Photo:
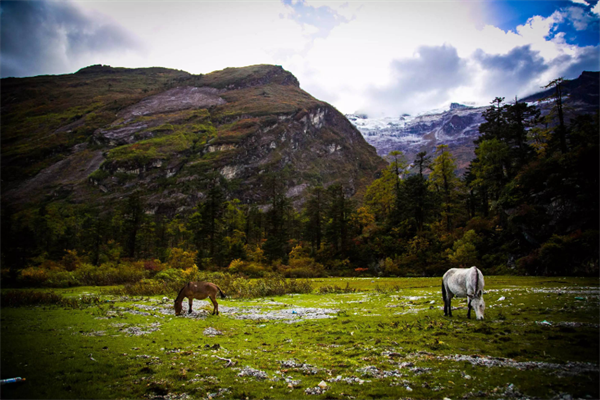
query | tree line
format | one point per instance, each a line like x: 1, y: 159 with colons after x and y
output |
x: 527, y: 204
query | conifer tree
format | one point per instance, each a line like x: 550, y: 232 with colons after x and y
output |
x: 443, y: 178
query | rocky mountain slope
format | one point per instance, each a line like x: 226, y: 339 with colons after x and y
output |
x: 102, y: 133
x: 459, y: 125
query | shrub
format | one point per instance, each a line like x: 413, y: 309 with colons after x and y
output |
x: 148, y: 287
x: 71, y: 261
x: 170, y: 275
x: 336, y: 289
x: 61, y: 279
x: 235, y: 266
x: 154, y: 266
x: 178, y: 258
x: 251, y: 269
x: 464, y: 252
x: 21, y: 298
x: 232, y: 285
x: 33, y: 276
x: 300, y: 265
x: 110, y: 274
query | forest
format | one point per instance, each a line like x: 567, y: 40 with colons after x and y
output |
x: 528, y: 205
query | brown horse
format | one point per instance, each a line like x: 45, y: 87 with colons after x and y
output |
x: 200, y: 291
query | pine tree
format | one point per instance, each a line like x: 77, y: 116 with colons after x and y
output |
x: 314, y: 211
x: 443, y: 178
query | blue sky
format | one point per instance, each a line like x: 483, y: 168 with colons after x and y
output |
x: 379, y: 57
x: 507, y: 15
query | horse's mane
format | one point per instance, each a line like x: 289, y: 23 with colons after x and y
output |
x: 179, y: 294
x: 476, y: 281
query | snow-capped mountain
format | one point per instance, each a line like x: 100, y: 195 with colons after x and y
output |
x: 457, y: 127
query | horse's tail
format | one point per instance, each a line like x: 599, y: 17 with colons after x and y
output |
x: 221, y: 292
x: 444, y: 297
x: 477, y: 271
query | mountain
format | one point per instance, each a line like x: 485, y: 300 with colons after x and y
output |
x: 459, y: 125
x: 103, y: 133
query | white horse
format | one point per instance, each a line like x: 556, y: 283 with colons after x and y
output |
x: 464, y: 282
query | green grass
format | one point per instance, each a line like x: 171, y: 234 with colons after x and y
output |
x: 387, y: 324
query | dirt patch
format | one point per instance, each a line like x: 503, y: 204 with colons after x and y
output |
x: 180, y: 98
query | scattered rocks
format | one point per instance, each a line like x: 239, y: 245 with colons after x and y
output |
x: 211, y: 332
x: 289, y: 315
x: 379, y: 374
x: 569, y: 368
x: 350, y: 380
x: 315, y: 390
x: 170, y: 396
x: 219, y: 393
x: 306, y: 369
x: 139, y: 331
x: 254, y: 373
x: 93, y: 333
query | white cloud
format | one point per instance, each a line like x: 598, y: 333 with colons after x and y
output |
x: 580, y: 18
x: 353, y: 55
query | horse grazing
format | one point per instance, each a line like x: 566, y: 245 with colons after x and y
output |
x: 464, y: 282
x: 200, y: 291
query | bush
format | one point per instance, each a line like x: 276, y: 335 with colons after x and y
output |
x: 21, y: 298
x: 232, y: 285
x: 148, y: 287
x: 110, y: 274
x: 71, y: 261
x: 170, y: 275
x: 178, y: 258
x: 336, y: 289
x: 300, y: 265
x: 251, y: 269
x: 33, y: 276
x: 464, y: 252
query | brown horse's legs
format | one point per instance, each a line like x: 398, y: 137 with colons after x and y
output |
x: 215, y: 304
x: 191, y: 301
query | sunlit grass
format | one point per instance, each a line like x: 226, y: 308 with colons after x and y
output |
x: 390, y: 334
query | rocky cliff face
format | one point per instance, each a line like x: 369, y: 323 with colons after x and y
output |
x: 458, y: 126
x: 167, y: 133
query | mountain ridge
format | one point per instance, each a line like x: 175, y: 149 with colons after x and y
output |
x: 102, y: 133
x: 459, y: 125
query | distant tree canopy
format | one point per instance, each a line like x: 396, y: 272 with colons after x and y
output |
x: 528, y: 204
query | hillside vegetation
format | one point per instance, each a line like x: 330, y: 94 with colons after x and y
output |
x: 240, y: 171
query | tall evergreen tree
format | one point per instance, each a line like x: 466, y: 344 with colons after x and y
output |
x: 314, y: 211
x: 277, y: 222
x: 134, y: 218
x: 444, y: 179
x: 338, y: 217
x: 418, y: 200
x: 561, y: 129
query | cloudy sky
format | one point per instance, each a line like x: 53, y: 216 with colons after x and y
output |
x: 378, y: 57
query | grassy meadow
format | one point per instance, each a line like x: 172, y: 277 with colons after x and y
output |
x: 350, y: 338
